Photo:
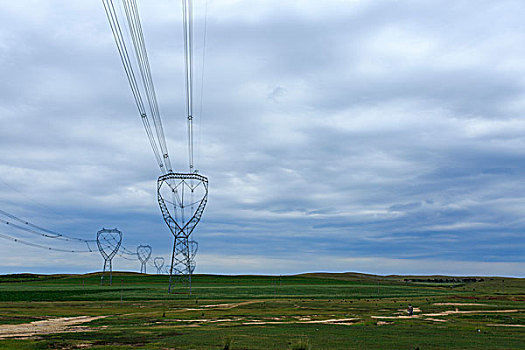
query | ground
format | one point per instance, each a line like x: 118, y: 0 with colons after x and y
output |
x: 315, y: 311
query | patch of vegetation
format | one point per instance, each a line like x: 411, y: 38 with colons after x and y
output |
x: 301, y: 344
x: 265, y: 312
x: 46, y: 295
x: 227, y: 343
x: 17, y: 319
x: 445, y: 280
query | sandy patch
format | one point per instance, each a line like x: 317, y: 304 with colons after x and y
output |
x: 435, y: 319
x: 445, y: 313
x: 228, y: 319
x: 454, y: 312
x: 203, y: 320
x: 305, y: 318
x: 219, y: 306
x: 53, y: 325
x: 230, y: 306
x: 264, y: 322
x: 200, y: 320
x: 338, y: 321
x: 344, y: 323
x: 504, y: 325
x: 270, y: 321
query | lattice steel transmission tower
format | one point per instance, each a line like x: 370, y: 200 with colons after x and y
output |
x: 182, y: 196
x: 108, y: 241
x: 143, y: 253
x: 159, y: 264
x: 189, y: 194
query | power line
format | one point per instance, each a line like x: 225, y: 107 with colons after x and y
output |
x: 48, y: 233
x: 202, y: 78
x: 17, y: 240
x: 187, y: 13
x: 132, y: 80
x: 181, y: 185
x: 123, y: 257
x: 127, y: 251
x: 43, y: 232
x: 141, y: 55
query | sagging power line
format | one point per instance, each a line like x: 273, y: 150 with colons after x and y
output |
x: 182, y: 197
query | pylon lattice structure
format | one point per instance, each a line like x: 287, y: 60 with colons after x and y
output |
x: 159, y: 264
x: 143, y: 253
x: 189, y: 195
x: 108, y: 241
x: 182, y: 197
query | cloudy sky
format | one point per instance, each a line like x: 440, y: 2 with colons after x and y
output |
x: 373, y: 136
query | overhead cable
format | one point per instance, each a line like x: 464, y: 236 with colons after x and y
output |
x: 17, y: 240
x: 137, y: 36
x: 40, y: 231
x: 187, y: 13
x: 132, y: 80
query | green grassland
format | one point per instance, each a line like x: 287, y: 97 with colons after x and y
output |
x: 315, y: 311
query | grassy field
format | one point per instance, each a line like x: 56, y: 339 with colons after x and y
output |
x: 312, y: 311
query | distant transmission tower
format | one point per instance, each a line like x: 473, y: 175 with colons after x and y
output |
x: 108, y: 241
x: 194, y: 246
x: 143, y: 253
x: 159, y: 264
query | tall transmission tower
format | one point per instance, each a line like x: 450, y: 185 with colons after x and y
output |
x: 108, y: 241
x: 190, y: 190
x: 182, y: 196
x: 185, y: 188
x: 143, y: 253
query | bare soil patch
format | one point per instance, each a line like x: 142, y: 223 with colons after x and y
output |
x: 338, y: 321
x: 445, y: 313
x: 435, y: 319
x: 230, y: 306
x: 453, y: 312
x: 53, y: 325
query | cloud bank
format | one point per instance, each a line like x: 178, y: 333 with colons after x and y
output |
x: 372, y: 136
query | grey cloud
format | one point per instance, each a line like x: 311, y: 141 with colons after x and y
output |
x: 349, y: 129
